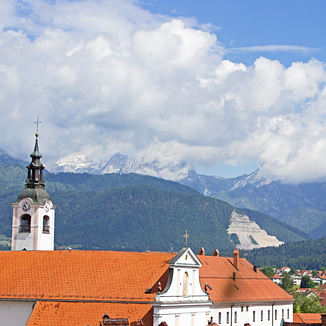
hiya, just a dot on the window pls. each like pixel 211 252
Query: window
pixel 254 316
pixel 235 317
pixel 220 318
pixel 46 224
pixel 25 223
pixel 283 313
pixel 275 314
pixel 288 313
pixel 241 309
pixel 185 284
pixel 261 316
pixel 269 315
pixel 247 308
pixel 227 317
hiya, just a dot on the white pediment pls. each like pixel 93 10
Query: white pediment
pixel 185 257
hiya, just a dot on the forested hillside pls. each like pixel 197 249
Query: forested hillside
pixel 131 212
pixel 310 254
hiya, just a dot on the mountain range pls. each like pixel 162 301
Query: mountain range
pixel 302 205
pixel 136 212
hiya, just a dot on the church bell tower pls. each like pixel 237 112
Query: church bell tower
pixel 33 211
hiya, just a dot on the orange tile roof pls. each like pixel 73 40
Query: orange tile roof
pixel 82 275
pixel 82 313
pixel 248 286
pixel 306 318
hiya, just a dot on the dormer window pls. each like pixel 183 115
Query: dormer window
pixel 25 223
pixel 46 224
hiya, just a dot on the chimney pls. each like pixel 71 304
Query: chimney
pixel 323 319
pixel 236 259
pixel 202 251
pixel 255 268
pixel 216 253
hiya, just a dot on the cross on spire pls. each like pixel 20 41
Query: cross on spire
pixel 37 123
pixel 186 236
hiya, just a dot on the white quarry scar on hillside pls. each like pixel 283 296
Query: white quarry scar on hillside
pixel 250 235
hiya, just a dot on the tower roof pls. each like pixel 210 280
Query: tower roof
pixel 35 186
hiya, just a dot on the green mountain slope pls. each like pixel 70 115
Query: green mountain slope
pixel 92 182
pixel 282 231
pixel 307 220
pixel 141 218
pixel 310 254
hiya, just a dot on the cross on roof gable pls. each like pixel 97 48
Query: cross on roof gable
pixel 186 258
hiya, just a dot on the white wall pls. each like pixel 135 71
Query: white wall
pixel 15 313
pixel 246 311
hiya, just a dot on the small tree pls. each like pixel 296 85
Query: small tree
pixel 268 271
pixel 306 282
pixel 314 272
pixel 287 283
pixel 292 271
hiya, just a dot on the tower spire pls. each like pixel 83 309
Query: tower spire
pixel 35 168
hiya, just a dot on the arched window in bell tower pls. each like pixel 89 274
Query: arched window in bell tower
pixel 25 223
pixel 46 224
pixel 185 284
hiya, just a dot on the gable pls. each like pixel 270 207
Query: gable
pixel 185 258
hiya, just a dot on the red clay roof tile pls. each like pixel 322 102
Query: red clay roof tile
pixel 88 275
pixel 81 313
pixel 248 285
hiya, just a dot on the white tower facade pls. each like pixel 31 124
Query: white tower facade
pixel 33 211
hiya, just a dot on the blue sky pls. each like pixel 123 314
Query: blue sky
pixel 221 86
pixel 245 24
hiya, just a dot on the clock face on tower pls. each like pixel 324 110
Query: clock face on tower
pixel 47 206
pixel 26 206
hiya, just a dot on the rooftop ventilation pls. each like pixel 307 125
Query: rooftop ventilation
pixel 202 251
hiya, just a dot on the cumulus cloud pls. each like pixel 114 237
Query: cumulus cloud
pixel 108 76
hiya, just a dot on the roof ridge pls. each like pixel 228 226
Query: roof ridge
pixel 117 251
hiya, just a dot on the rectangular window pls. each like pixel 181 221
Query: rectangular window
pixel 235 317
pixel 269 315
pixel 254 316
pixel 288 313
pixel 220 318
pixel 241 309
pixel 227 317
pixel 275 314
pixel 247 308
pixel 261 316
pixel 283 313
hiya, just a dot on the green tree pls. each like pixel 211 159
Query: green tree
pixel 287 283
pixel 292 271
pixel 267 270
pixel 314 272
pixel 306 282
pixel 307 303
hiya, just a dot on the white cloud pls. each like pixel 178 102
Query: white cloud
pixel 108 76
pixel 273 48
